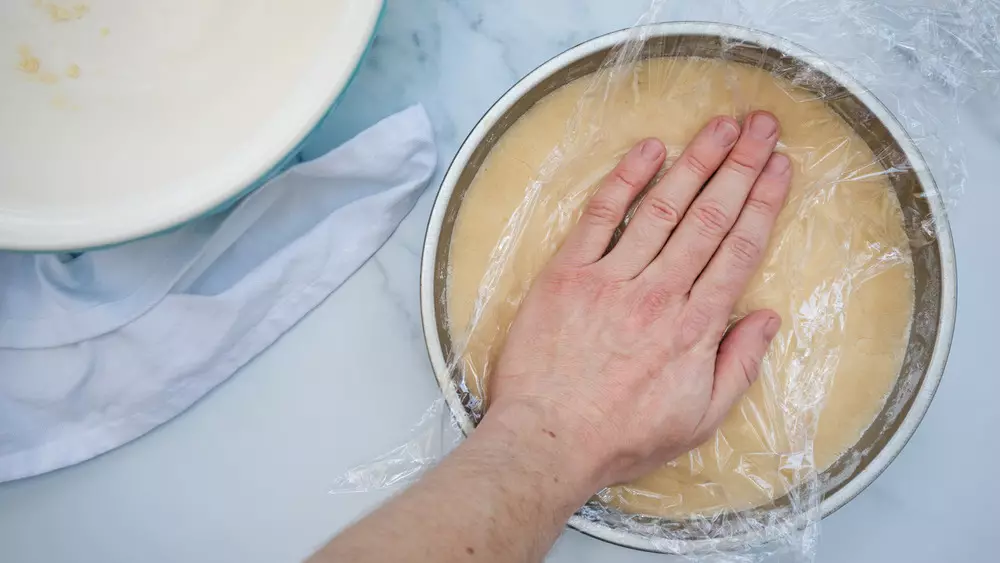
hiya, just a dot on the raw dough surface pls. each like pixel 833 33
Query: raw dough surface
pixel 838 269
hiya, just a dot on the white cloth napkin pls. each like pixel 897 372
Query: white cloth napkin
pixel 99 349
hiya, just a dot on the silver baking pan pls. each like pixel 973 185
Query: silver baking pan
pixel 925 218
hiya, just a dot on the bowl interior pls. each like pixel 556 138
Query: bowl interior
pixel 121 119
pixel 909 181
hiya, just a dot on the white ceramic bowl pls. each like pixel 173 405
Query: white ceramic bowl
pixel 119 119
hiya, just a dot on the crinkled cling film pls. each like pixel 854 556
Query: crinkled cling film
pixel 859 267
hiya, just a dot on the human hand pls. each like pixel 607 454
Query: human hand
pixel 624 358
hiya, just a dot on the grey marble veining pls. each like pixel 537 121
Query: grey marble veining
pixel 244 475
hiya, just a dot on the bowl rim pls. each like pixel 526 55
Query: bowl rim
pixel 948 292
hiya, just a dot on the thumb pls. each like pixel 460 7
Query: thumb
pixel 737 364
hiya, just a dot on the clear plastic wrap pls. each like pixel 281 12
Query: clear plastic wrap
pixel 855 266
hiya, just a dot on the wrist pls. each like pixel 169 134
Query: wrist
pixel 544 442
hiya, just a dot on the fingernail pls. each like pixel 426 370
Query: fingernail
pixel 762 126
pixel 777 164
pixel 651 149
pixel 771 328
pixel 725 132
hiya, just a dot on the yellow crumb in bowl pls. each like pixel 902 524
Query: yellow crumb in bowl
pixel 59 13
pixel 27 62
pixel 73 71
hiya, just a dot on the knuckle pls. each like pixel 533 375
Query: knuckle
pixel 663 210
pixel 742 164
pixel 696 164
pixel 604 210
pixel 761 206
pixel 626 177
pixel 652 302
pixel 745 248
pixel 711 218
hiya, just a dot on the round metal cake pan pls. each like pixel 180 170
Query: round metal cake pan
pixel 933 257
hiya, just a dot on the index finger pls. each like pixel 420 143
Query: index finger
pixel 606 209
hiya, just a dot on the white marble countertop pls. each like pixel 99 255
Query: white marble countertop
pixel 244 474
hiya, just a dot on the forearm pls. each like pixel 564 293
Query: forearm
pixel 503 495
